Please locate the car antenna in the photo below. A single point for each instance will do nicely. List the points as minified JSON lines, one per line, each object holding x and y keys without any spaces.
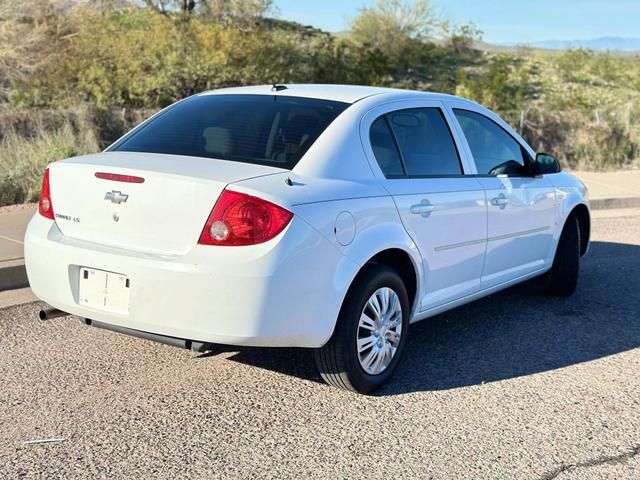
{"x":278,"y":87}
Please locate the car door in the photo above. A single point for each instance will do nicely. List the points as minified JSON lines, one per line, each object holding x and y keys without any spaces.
{"x":416,"y":157}
{"x":521,"y":207}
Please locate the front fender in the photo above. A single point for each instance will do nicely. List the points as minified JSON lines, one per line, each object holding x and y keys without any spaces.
{"x":569,"y":193}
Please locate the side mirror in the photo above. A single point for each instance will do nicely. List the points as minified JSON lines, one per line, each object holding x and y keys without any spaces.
{"x":544,"y":164}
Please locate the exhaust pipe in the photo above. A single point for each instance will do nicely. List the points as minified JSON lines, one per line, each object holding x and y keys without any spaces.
{"x":51,"y":313}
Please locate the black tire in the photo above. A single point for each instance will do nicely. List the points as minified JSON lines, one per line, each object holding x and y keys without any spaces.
{"x":563,"y":276}
{"x":337,"y":360}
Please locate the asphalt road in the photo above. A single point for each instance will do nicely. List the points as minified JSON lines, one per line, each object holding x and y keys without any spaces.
{"x":513,"y":386}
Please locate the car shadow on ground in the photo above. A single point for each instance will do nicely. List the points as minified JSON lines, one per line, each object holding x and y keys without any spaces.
{"x":510,"y":334}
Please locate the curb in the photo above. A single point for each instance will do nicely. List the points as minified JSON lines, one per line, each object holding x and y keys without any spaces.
{"x":13,"y":274}
{"x":614,"y":202}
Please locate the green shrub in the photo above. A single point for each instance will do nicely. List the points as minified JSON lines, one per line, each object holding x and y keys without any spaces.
{"x":138,"y":58}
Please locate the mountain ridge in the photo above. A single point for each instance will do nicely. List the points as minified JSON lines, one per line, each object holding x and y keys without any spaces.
{"x":622,"y":44}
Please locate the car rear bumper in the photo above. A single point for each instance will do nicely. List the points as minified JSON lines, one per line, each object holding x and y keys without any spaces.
{"x":281,"y":293}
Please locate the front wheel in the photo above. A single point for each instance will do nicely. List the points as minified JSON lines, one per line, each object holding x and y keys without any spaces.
{"x":370,"y":334}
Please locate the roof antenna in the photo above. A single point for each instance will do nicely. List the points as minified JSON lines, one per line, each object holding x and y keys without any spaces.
{"x":278,"y":87}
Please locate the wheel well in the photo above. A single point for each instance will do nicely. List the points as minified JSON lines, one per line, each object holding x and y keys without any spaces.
{"x":400,"y":261}
{"x":584,"y":224}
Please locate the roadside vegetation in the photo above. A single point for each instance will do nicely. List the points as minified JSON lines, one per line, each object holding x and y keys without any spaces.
{"x":74,"y":75}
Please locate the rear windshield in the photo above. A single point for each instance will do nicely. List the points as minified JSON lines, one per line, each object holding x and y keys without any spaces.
{"x":263,"y":129}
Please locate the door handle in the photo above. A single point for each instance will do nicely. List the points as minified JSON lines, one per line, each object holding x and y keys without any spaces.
{"x":423,"y":209}
{"x":500,"y":201}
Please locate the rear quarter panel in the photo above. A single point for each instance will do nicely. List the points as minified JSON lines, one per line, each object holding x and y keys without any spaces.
{"x":359,"y":219}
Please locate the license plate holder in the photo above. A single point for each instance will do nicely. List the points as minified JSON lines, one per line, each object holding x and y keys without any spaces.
{"x":103,"y":290}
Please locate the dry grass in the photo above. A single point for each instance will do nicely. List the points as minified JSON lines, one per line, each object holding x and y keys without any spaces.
{"x":31,"y":139}
{"x":23,"y":160}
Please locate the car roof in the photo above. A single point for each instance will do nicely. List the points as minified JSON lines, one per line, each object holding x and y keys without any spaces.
{"x":338,"y":93}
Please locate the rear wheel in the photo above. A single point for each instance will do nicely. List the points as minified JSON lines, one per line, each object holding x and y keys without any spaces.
{"x":562,"y":279}
{"x":370,"y":334}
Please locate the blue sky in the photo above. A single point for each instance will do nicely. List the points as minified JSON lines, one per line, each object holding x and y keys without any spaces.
{"x":502,"y":21}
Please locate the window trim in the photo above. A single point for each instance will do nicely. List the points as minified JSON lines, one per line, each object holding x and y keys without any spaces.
{"x":527,"y":157}
{"x":395,"y":143}
{"x":406,"y":175}
{"x":398,"y":151}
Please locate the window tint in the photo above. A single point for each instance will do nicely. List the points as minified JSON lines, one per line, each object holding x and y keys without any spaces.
{"x":425,"y":142}
{"x":494,"y":150}
{"x":384,"y":148}
{"x":264,"y":129}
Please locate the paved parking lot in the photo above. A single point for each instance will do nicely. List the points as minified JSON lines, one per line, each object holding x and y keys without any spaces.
{"x":514,"y":386}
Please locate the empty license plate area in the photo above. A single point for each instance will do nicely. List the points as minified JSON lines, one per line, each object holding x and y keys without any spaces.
{"x":103,"y":290}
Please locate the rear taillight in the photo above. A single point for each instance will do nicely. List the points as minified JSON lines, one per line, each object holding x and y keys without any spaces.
{"x":45,"y":206}
{"x":239,"y":219}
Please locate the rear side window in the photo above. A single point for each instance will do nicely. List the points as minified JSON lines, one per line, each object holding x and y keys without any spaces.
{"x":421,"y":140}
{"x":385,"y":149}
{"x":425,"y":142}
{"x":495,"y":152}
{"x":262,"y":129}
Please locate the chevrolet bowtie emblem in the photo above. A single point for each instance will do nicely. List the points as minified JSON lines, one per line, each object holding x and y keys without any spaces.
{"x":116,"y":197}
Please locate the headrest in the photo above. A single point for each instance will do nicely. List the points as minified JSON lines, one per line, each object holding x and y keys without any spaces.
{"x":217,"y":140}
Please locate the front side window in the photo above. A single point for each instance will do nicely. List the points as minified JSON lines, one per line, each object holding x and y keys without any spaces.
{"x":495,"y":151}
{"x":262,"y":129}
{"x":421,"y":140}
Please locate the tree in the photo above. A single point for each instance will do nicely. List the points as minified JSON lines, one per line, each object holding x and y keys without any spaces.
{"x":463,"y":38}
{"x":237,"y":12}
{"x":33,"y":36}
{"x":185,"y":7}
{"x":389,"y":25}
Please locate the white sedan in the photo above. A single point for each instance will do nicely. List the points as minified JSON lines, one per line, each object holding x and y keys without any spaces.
{"x":318,"y":216}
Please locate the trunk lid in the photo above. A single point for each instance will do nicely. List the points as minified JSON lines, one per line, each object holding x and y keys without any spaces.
{"x":163,"y":214}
